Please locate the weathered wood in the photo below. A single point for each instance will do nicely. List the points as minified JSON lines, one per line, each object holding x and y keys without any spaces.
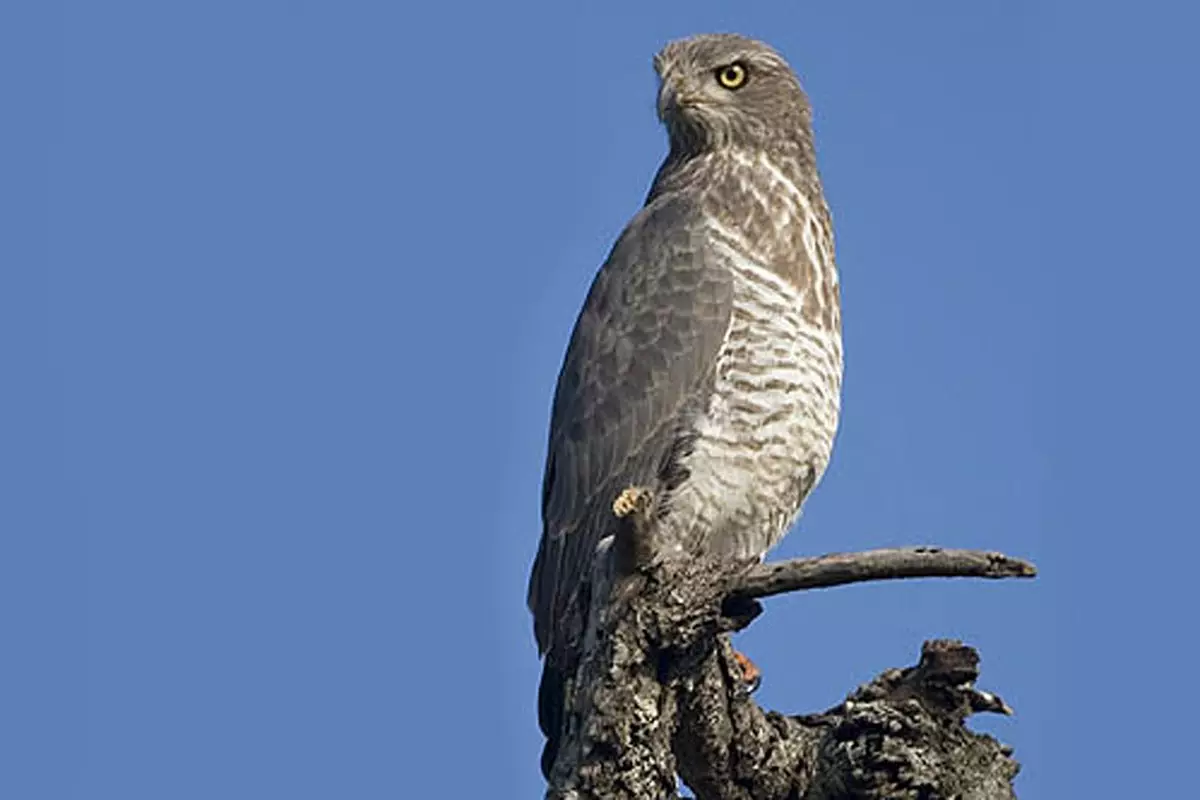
{"x":837,"y":569}
{"x":658,"y":694}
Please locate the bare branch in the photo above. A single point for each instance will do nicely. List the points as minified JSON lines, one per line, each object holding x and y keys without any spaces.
{"x":836,"y":569}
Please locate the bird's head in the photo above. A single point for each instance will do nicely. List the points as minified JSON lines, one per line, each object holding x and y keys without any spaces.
{"x":725,"y":90}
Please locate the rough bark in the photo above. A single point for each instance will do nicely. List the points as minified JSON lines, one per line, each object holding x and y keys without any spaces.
{"x":658,"y":694}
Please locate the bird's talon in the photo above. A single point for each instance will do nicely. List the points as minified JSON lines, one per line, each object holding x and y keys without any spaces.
{"x":751,"y":674}
{"x":630,"y":500}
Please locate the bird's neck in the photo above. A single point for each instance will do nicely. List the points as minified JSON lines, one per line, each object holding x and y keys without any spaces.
{"x":769,"y":203}
{"x":682,"y":170}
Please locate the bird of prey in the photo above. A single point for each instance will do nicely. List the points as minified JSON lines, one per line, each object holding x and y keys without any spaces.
{"x":706,"y":363}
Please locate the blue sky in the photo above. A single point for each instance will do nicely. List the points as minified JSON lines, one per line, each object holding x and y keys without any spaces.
{"x":284,"y":287}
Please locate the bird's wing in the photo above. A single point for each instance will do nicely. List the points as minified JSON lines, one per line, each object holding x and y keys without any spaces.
{"x":638,"y":368}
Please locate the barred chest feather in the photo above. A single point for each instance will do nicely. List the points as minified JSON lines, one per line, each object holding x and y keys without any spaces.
{"x":768,"y":431}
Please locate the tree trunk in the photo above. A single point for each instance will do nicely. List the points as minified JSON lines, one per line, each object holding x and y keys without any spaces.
{"x":658,"y":695}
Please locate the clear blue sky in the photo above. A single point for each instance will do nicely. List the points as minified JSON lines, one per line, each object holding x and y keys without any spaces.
{"x":284,"y":287}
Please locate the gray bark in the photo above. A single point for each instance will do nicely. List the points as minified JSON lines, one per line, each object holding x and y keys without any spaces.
{"x":658,"y":694}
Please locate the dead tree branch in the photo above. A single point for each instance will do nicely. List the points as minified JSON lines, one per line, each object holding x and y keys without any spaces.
{"x":659,"y":694}
{"x":837,"y":569}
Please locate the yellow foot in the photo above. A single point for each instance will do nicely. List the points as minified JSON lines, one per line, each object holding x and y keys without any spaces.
{"x":632,"y":499}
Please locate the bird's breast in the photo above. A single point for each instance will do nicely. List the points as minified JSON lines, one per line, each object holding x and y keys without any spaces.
{"x":767,"y":433}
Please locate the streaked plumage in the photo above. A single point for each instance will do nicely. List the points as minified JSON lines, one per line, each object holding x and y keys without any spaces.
{"x":706,"y":363}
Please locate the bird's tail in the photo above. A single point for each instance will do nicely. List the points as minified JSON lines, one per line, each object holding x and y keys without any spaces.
{"x":550,"y":712}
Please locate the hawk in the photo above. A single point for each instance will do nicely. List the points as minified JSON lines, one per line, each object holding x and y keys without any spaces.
{"x":706,"y":363}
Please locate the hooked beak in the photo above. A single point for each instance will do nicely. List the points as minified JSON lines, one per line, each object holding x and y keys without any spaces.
{"x":672,"y":94}
{"x":668,"y":97}
{"x":667,"y":100}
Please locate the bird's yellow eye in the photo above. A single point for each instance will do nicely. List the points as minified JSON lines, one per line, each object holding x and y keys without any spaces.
{"x":732,"y":76}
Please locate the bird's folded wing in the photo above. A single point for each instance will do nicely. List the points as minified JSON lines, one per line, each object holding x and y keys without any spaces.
{"x":638,"y":369}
